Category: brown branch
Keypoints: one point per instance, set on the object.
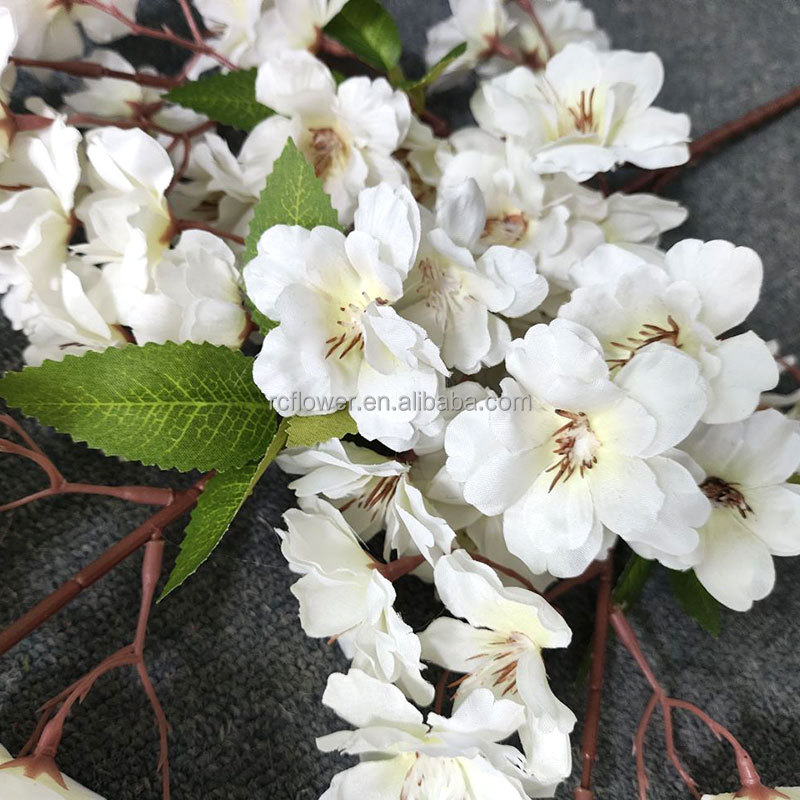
(145, 495)
(67, 592)
(164, 35)
(591, 726)
(394, 570)
(441, 689)
(751, 781)
(658, 178)
(193, 225)
(562, 587)
(49, 730)
(511, 573)
(526, 5)
(88, 69)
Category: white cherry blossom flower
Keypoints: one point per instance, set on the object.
(556, 220)
(343, 595)
(126, 216)
(569, 453)
(15, 785)
(499, 648)
(50, 30)
(192, 295)
(294, 25)
(421, 153)
(348, 132)
(562, 22)
(476, 22)
(703, 290)
(587, 112)
(459, 300)
(373, 493)
(406, 758)
(234, 24)
(743, 469)
(338, 335)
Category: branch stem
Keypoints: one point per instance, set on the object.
(591, 726)
(115, 555)
(656, 179)
(88, 69)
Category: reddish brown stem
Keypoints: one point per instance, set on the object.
(90, 574)
(511, 573)
(88, 69)
(658, 178)
(47, 736)
(562, 587)
(394, 570)
(441, 688)
(164, 35)
(192, 225)
(751, 781)
(591, 726)
(440, 126)
(527, 5)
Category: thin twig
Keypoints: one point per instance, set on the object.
(164, 35)
(657, 179)
(68, 591)
(562, 587)
(190, 225)
(591, 726)
(91, 70)
(511, 573)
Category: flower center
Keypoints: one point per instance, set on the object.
(576, 446)
(376, 495)
(349, 333)
(431, 778)
(441, 286)
(724, 494)
(325, 148)
(496, 667)
(581, 113)
(509, 230)
(648, 334)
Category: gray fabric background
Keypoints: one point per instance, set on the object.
(241, 682)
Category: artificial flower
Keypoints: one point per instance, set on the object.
(459, 300)
(343, 595)
(702, 291)
(406, 758)
(743, 468)
(587, 112)
(499, 648)
(339, 336)
(568, 457)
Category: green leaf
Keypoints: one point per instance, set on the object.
(631, 582)
(216, 509)
(696, 601)
(435, 71)
(292, 195)
(367, 29)
(795, 478)
(308, 431)
(229, 98)
(261, 321)
(183, 406)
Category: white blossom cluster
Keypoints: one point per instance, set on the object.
(550, 379)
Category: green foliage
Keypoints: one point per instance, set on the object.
(183, 406)
(292, 195)
(308, 431)
(696, 601)
(631, 582)
(216, 508)
(416, 87)
(367, 29)
(227, 98)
